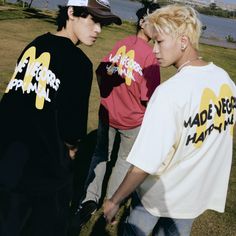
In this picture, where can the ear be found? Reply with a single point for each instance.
(184, 41)
(141, 21)
(70, 12)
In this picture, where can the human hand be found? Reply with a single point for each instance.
(72, 150)
(72, 153)
(110, 210)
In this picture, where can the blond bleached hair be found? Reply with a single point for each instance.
(177, 20)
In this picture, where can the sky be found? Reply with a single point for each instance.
(229, 1)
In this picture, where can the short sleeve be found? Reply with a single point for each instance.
(157, 135)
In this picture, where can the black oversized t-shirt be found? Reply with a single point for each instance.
(45, 105)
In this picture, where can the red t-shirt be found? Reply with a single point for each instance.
(129, 75)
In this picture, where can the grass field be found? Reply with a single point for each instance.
(19, 27)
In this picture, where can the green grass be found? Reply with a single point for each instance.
(12, 11)
(18, 28)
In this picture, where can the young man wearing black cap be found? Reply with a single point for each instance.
(44, 117)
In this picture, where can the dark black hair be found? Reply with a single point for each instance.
(62, 15)
(148, 7)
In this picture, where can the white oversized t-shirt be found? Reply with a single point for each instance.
(185, 143)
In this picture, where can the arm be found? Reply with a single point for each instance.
(99, 78)
(133, 179)
(157, 137)
(73, 100)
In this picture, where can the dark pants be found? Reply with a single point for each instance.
(40, 215)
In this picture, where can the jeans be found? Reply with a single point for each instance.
(141, 223)
(102, 154)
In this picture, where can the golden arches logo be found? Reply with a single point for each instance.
(217, 109)
(43, 60)
(125, 62)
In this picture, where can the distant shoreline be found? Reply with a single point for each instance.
(216, 42)
(205, 39)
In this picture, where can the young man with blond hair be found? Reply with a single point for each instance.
(182, 156)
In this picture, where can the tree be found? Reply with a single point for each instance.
(30, 3)
(213, 6)
(25, 3)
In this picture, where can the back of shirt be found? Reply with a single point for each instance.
(185, 143)
(129, 75)
(45, 105)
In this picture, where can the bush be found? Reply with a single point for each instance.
(229, 38)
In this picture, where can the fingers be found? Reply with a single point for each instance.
(112, 221)
(72, 154)
(110, 210)
(72, 150)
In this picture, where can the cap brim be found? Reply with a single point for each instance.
(106, 17)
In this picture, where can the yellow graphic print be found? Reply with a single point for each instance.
(124, 64)
(36, 68)
(215, 113)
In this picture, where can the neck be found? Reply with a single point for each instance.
(188, 62)
(143, 36)
(66, 33)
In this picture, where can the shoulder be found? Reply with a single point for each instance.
(216, 69)
(133, 41)
(121, 42)
(129, 38)
(172, 90)
(172, 83)
(82, 55)
(45, 36)
(77, 57)
(167, 88)
(38, 40)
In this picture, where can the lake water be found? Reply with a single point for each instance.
(217, 28)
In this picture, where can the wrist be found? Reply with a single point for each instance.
(115, 200)
(73, 146)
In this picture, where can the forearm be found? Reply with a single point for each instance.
(133, 179)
